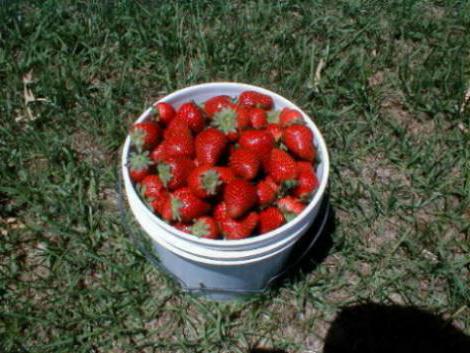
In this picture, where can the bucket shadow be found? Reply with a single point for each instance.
(371, 328)
(301, 261)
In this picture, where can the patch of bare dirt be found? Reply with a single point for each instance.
(411, 52)
(376, 79)
(419, 126)
(433, 12)
(163, 325)
(109, 199)
(396, 298)
(376, 169)
(383, 231)
(38, 165)
(87, 147)
(8, 224)
(342, 216)
(35, 265)
(313, 343)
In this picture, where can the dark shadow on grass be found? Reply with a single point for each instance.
(304, 260)
(376, 328)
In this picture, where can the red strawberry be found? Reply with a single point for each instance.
(307, 183)
(175, 128)
(139, 166)
(243, 117)
(205, 227)
(226, 174)
(239, 196)
(214, 104)
(210, 144)
(244, 163)
(179, 143)
(290, 116)
(267, 191)
(159, 200)
(290, 206)
(164, 112)
(151, 186)
(281, 166)
(158, 154)
(174, 172)
(258, 118)
(299, 140)
(184, 227)
(205, 181)
(184, 206)
(220, 212)
(275, 130)
(303, 166)
(233, 229)
(145, 135)
(259, 141)
(270, 219)
(192, 115)
(255, 99)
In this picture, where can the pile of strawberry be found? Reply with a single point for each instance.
(228, 168)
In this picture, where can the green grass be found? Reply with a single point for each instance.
(388, 102)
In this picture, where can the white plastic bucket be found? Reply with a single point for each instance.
(238, 266)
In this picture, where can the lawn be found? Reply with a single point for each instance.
(388, 85)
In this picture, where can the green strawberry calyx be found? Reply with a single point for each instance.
(289, 216)
(164, 173)
(307, 197)
(283, 147)
(210, 181)
(139, 161)
(273, 116)
(154, 111)
(175, 208)
(138, 138)
(286, 186)
(200, 228)
(225, 120)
